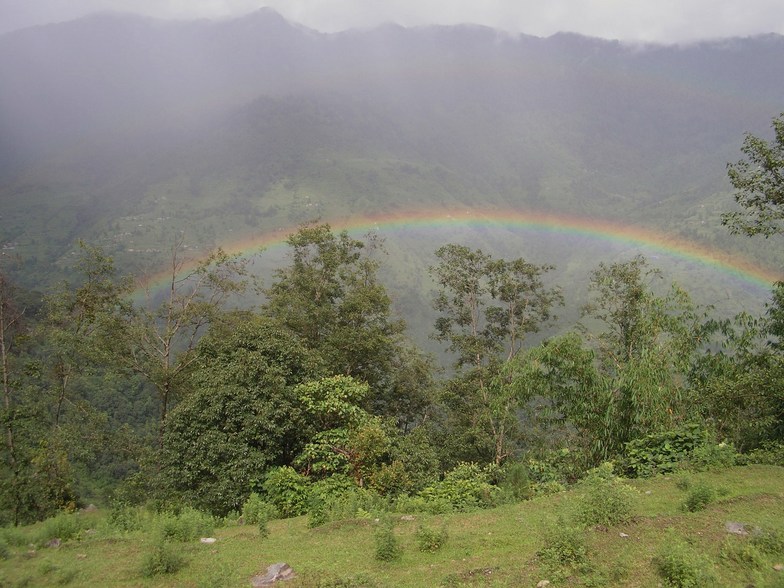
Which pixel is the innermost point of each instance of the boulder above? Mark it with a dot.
(275, 573)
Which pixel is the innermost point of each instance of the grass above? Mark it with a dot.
(495, 547)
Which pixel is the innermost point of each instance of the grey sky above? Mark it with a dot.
(667, 21)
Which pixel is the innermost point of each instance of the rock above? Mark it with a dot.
(408, 518)
(779, 567)
(54, 543)
(736, 528)
(275, 573)
(648, 492)
(90, 508)
(81, 556)
(623, 535)
(543, 583)
(207, 540)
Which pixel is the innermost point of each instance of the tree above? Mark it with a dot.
(243, 416)
(159, 342)
(331, 297)
(759, 185)
(487, 308)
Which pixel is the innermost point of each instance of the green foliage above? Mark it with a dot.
(769, 541)
(605, 499)
(713, 456)
(464, 488)
(743, 553)
(287, 490)
(680, 566)
(770, 453)
(5, 551)
(431, 540)
(162, 559)
(63, 526)
(699, 496)
(125, 518)
(244, 417)
(257, 510)
(563, 546)
(187, 525)
(663, 452)
(759, 185)
(388, 547)
(515, 483)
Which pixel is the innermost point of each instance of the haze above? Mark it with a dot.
(664, 21)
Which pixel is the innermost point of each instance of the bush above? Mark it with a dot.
(681, 567)
(769, 453)
(163, 559)
(387, 546)
(769, 541)
(466, 487)
(64, 526)
(661, 453)
(699, 496)
(713, 455)
(287, 490)
(256, 509)
(188, 525)
(564, 546)
(431, 540)
(125, 518)
(605, 499)
(515, 483)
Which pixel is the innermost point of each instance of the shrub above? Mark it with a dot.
(464, 488)
(699, 496)
(387, 546)
(188, 525)
(713, 455)
(256, 510)
(124, 518)
(515, 483)
(661, 453)
(163, 559)
(606, 499)
(743, 553)
(564, 546)
(681, 567)
(63, 526)
(287, 490)
(769, 453)
(431, 540)
(769, 541)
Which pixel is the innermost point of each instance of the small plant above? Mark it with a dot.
(163, 559)
(769, 541)
(63, 526)
(263, 528)
(188, 525)
(699, 496)
(125, 518)
(431, 540)
(5, 551)
(681, 567)
(387, 546)
(742, 553)
(606, 499)
(564, 546)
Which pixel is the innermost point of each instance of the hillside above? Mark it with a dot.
(503, 546)
(121, 131)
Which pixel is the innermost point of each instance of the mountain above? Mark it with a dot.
(120, 130)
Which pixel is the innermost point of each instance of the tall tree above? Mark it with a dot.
(158, 340)
(487, 308)
(758, 180)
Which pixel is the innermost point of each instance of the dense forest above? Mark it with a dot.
(179, 397)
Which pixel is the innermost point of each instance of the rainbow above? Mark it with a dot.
(627, 235)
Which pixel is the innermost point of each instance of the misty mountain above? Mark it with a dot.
(120, 129)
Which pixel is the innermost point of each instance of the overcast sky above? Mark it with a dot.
(667, 21)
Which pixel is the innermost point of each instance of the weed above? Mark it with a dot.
(125, 518)
(387, 546)
(63, 526)
(5, 551)
(564, 546)
(699, 496)
(188, 525)
(682, 567)
(163, 559)
(431, 540)
(606, 499)
(257, 509)
(742, 553)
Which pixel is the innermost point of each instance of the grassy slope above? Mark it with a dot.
(488, 548)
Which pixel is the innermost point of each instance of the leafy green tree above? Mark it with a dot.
(331, 297)
(243, 416)
(758, 180)
(487, 308)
